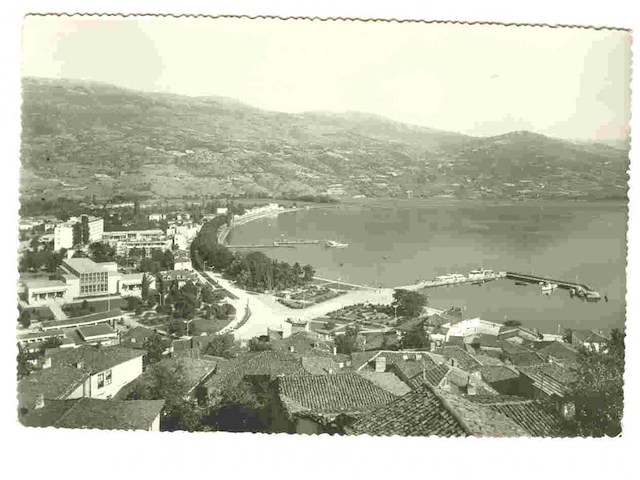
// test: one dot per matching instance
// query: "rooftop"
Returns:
(463, 359)
(83, 265)
(93, 413)
(331, 395)
(93, 359)
(96, 331)
(426, 412)
(93, 317)
(53, 383)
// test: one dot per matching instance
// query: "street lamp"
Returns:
(188, 322)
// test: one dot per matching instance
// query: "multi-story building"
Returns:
(63, 232)
(87, 278)
(63, 236)
(147, 240)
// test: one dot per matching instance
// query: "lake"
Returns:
(396, 243)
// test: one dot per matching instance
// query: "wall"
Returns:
(307, 426)
(155, 426)
(121, 375)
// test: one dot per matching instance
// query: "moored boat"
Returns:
(335, 244)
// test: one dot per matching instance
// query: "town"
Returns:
(140, 315)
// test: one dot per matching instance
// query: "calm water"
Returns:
(395, 244)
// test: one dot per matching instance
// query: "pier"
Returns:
(523, 277)
(279, 244)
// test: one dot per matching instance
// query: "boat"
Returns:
(335, 244)
(522, 284)
(548, 287)
(481, 274)
(456, 277)
(592, 296)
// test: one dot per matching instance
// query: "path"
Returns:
(57, 311)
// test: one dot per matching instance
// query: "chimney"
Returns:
(291, 349)
(381, 364)
(335, 350)
(39, 402)
(80, 364)
(47, 363)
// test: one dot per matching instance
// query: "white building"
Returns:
(63, 232)
(63, 236)
(473, 326)
(222, 210)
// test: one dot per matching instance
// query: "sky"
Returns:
(474, 79)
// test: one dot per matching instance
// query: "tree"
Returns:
(599, 390)
(50, 343)
(512, 323)
(416, 339)
(308, 273)
(167, 381)
(85, 229)
(25, 318)
(77, 233)
(144, 287)
(24, 367)
(155, 346)
(257, 345)
(408, 303)
(101, 252)
(347, 343)
(220, 346)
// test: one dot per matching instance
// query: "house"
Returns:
(181, 277)
(183, 262)
(315, 404)
(473, 326)
(536, 417)
(94, 413)
(502, 378)
(589, 339)
(109, 368)
(485, 343)
(518, 334)
(98, 334)
(550, 381)
(427, 411)
(451, 379)
(195, 371)
(457, 356)
(560, 352)
(50, 383)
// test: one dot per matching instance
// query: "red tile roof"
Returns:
(426, 412)
(93, 413)
(331, 395)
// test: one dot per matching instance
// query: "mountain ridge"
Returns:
(165, 144)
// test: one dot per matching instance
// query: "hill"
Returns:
(87, 138)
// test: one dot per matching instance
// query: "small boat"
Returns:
(521, 284)
(592, 296)
(548, 287)
(335, 244)
(385, 256)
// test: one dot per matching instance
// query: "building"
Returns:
(63, 236)
(109, 368)
(182, 262)
(87, 278)
(99, 414)
(157, 217)
(179, 276)
(146, 240)
(87, 371)
(473, 326)
(222, 210)
(43, 291)
(110, 317)
(63, 232)
(589, 339)
(101, 334)
(130, 284)
(314, 404)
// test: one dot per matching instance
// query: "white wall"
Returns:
(121, 375)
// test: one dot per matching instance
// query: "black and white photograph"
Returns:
(260, 225)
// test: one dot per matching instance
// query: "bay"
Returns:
(396, 243)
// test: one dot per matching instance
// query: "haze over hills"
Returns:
(85, 138)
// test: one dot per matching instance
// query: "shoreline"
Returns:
(225, 230)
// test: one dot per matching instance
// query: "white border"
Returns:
(107, 455)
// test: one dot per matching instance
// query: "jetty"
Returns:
(575, 286)
(279, 244)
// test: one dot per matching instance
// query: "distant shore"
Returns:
(224, 231)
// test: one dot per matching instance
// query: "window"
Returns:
(107, 379)
(101, 380)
